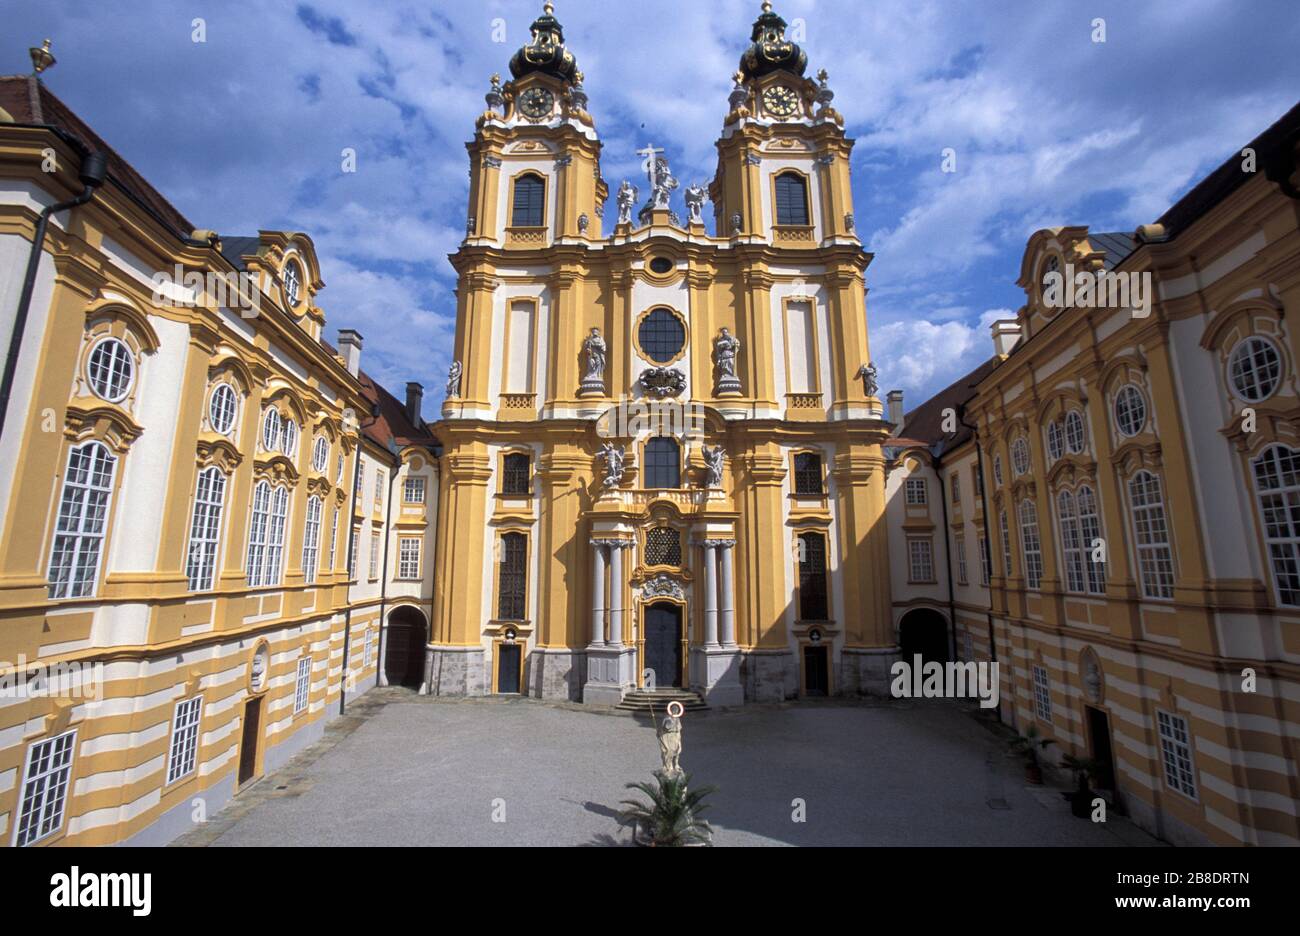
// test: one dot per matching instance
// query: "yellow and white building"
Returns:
(1133, 471)
(178, 463)
(630, 498)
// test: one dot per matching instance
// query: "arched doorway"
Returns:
(404, 647)
(663, 643)
(923, 631)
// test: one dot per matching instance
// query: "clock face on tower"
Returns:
(536, 102)
(780, 101)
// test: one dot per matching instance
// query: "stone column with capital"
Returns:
(710, 594)
(597, 593)
(610, 662)
(616, 588)
(715, 664)
(726, 601)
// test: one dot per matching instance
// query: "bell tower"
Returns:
(535, 157)
(783, 160)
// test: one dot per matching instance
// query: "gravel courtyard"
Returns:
(406, 770)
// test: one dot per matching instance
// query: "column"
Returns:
(710, 594)
(616, 593)
(597, 593)
(728, 612)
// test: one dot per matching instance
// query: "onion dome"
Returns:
(769, 49)
(546, 52)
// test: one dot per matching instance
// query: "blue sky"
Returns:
(246, 130)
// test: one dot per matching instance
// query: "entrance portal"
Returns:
(252, 733)
(816, 674)
(663, 643)
(404, 649)
(923, 631)
(1099, 735)
(508, 667)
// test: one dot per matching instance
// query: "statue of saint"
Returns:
(696, 195)
(713, 462)
(612, 455)
(725, 348)
(670, 744)
(870, 381)
(594, 347)
(453, 380)
(627, 196)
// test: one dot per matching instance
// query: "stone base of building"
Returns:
(715, 675)
(865, 671)
(611, 671)
(769, 675)
(555, 673)
(455, 671)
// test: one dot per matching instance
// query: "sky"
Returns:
(246, 130)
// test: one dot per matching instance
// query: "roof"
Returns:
(235, 247)
(1275, 143)
(391, 423)
(1116, 246)
(925, 423)
(28, 101)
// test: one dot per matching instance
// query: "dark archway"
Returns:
(923, 631)
(404, 647)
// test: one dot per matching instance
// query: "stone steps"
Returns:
(640, 700)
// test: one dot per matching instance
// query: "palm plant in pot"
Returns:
(1027, 747)
(1086, 771)
(671, 818)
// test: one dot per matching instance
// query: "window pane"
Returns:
(663, 464)
(530, 194)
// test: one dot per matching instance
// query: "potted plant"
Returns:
(1081, 797)
(671, 819)
(1027, 747)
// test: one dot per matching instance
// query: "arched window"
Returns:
(289, 439)
(512, 586)
(808, 473)
(266, 534)
(205, 528)
(110, 370)
(271, 429)
(1055, 441)
(1155, 559)
(1072, 545)
(83, 517)
(530, 201)
(791, 199)
(662, 463)
(516, 470)
(813, 605)
(1090, 531)
(320, 454)
(1030, 544)
(1277, 485)
(1130, 410)
(223, 406)
(311, 539)
(997, 470)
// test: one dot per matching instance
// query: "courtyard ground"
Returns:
(401, 769)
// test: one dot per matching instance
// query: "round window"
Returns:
(1020, 457)
(289, 438)
(320, 454)
(1130, 410)
(661, 265)
(1255, 368)
(110, 369)
(271, 430)
(1074, 432)
(662, 336)
(292, 283)
(221, 409)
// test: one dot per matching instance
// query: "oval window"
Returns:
(110, 370)
(661, 265)
(662, 336)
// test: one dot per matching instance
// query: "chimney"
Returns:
(1006, 332)
(350, 349)
(895, 400)
(414, 397)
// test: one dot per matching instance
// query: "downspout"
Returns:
(947, 552)
(93, 170)
(988, 547)
(383, 573)
(352, 535)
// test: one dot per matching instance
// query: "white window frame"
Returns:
(205, 529)
(266, 534)
(1005, 528)
(1090, 531)
(320, 454)
(47, 779)
(311, 539)
(352, 552)
(413, 489)
(380, 479)
(986, 562)
(1130, 410)
(408, 557)
(961, 561)
(1020, 463)
(1042, 694)
(1278, 505)
(183, 752)
(1249, 349)
(218, 413)
(1076, 434)
(334, 538)
(289, 439)
(1072, 548)
(920, 555)
(271, 423)
(1031, 545)
(1152, 550)
(368, 654)
(374, 555)
(81, 527)
(119, 353)
(302, 685)
(1176, 753)
(917, 492)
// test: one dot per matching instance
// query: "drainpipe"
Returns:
(988, 547)
(383, 573)
(352, 535)
(93, 170)
(947, 556)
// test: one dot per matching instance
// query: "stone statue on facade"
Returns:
(870, 381)
(713, 465)
(594, 349)
(612, 455)
(627, 198)
(453, 380)
(696, 195)
(725, 348)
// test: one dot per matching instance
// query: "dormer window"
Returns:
(791, 200)
(529, 202)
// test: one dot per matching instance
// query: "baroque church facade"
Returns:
(663, 461)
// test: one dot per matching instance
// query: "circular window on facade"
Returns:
(661, 265)
(1255, 368)
(1130, 410)
(1020, 457)
(320, 454)
(292, 283)
(1074, 439)
(221, 409)
(661, 336)
(110, 370)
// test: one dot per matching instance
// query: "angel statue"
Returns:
(453, 380)
(612, 455)
(713, 465)
(870, 382)
(627, 198)
(661, 178)
(695, 197)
